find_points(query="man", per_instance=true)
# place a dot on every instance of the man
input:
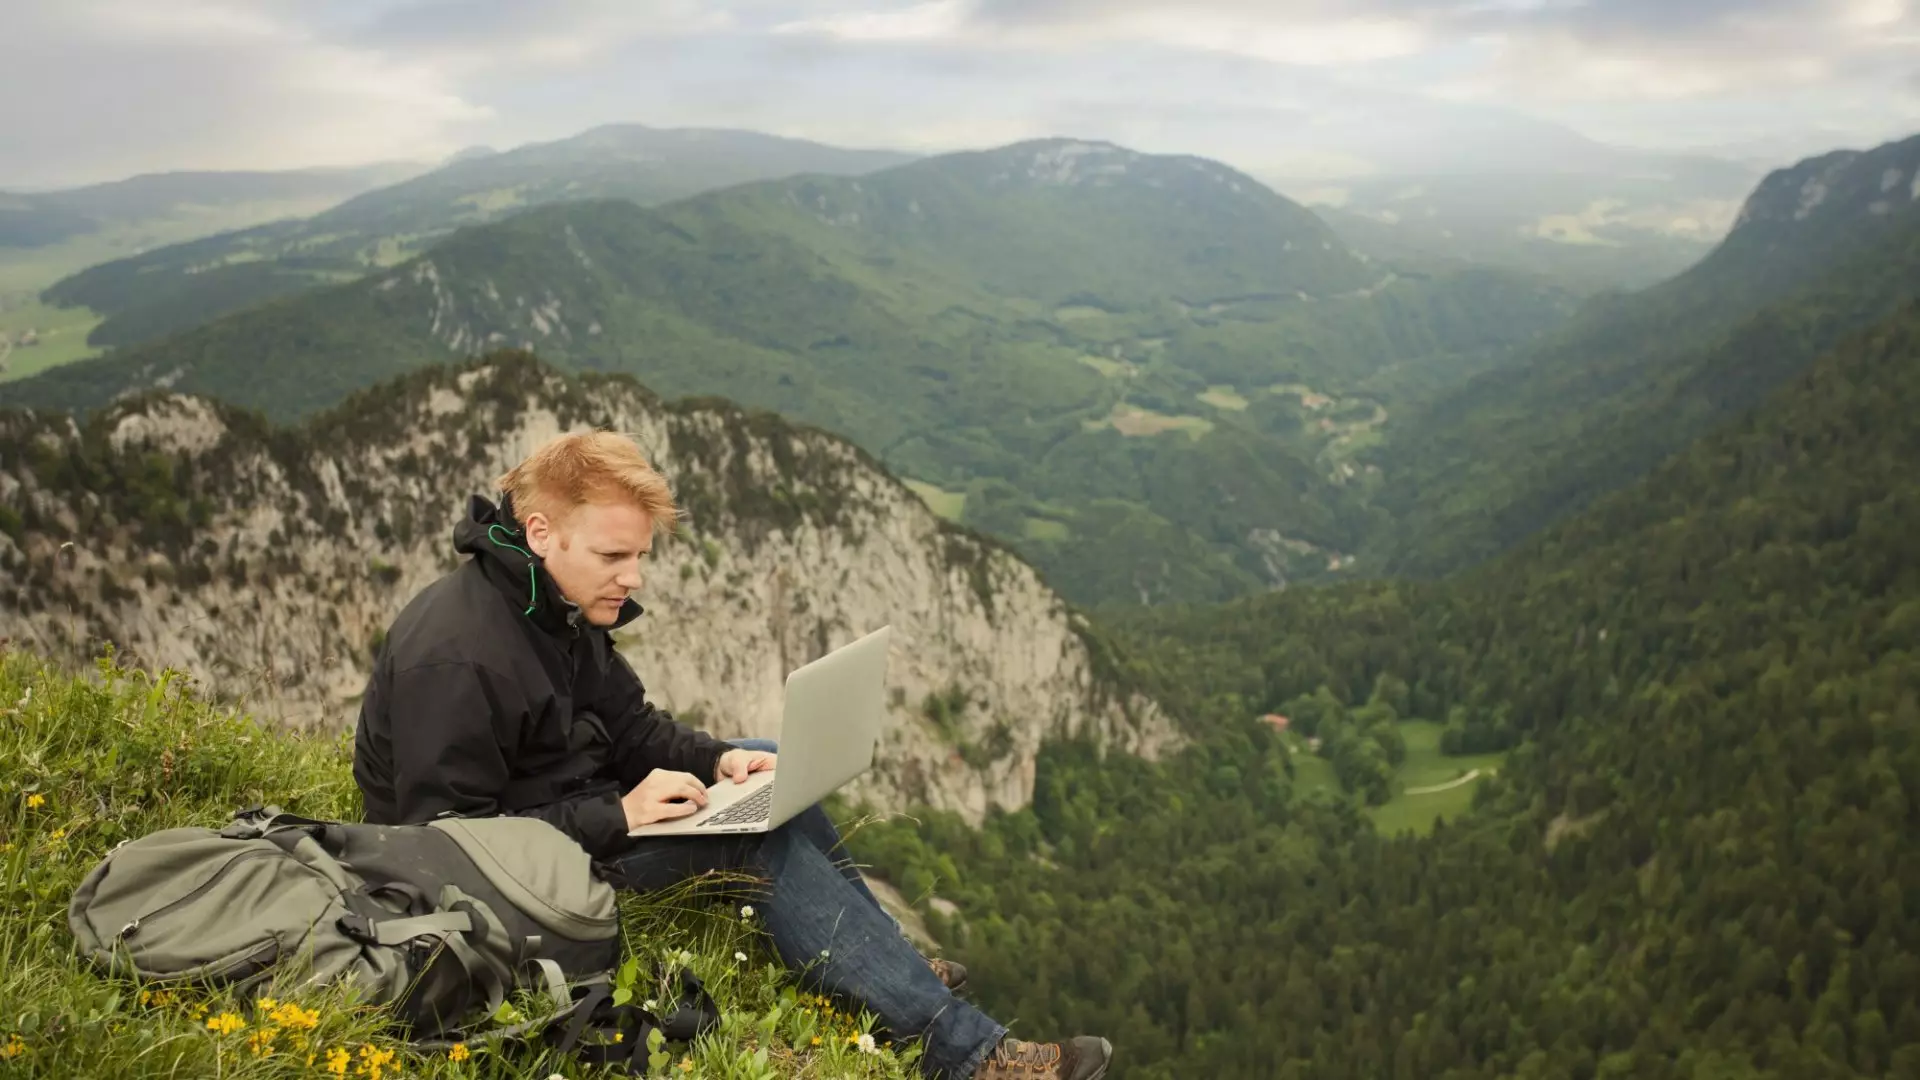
(498, 691)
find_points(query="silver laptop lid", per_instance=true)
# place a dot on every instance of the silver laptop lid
(834, 711)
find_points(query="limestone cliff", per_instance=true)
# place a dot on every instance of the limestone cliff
(268, 561)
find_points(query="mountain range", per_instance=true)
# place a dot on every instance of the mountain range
(1064, 333)
(179, 286)
(1054, 339)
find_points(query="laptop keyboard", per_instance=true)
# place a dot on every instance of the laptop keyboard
(755, 807)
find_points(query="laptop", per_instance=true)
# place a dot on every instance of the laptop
(828, 730)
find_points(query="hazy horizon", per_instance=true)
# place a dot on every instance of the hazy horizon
(100, 90)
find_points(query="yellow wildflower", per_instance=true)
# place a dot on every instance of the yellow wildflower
(14, 1047)
(36, 800)
(294, 1017)
(373, 1062)
(265, 1004)
(56, 836)
(261, 1042)
(619, 1036)
(816, 1040)
(686, 1064)
(459, 1052)
(225, 1024)
(337, 1061)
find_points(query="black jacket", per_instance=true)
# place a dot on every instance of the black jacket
(493, 695)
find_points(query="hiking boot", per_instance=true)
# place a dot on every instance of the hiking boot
(1083, 1057)
(953, 975)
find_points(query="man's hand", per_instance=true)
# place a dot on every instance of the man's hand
(739, 764)
(663, 796)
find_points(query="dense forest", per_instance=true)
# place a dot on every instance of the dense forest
(1700, 861)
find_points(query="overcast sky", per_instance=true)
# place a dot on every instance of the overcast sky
(100, 89)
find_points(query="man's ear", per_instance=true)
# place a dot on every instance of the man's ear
(539, 533)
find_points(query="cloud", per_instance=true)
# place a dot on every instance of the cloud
(478, 35)
(1324, 36)
(113, 87)
(108, 87)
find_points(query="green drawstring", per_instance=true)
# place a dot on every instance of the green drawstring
(533, 588)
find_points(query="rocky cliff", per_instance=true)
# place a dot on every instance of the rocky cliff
(267, 562)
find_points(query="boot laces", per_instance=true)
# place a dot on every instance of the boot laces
(1013, 1053)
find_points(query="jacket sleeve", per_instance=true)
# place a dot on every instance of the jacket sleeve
(646, 738)
(450, 723)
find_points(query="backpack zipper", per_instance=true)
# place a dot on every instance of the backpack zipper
(134, 927)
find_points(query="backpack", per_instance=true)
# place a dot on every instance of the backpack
(444, 921)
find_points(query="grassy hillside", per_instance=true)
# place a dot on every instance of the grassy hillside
(1067, 333)
(90, 761)
(1698, 860)
(1821, 250)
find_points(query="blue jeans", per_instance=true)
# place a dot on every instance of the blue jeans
(825, 922)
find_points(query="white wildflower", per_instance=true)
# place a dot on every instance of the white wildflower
(746, 911)
(650, 1005)
(866, 1044)
(740, 956)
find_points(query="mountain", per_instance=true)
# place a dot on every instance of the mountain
(1819, 250)
(43, 218)
(1698, 860)
(267, 562)
(1064, 333)
(172, 288)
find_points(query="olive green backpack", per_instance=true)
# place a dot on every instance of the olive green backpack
(444, 921)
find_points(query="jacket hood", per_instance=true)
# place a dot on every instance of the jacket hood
(493, 536)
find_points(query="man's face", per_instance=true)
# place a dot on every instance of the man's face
(596, 557)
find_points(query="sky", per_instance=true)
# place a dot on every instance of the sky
(101, 89)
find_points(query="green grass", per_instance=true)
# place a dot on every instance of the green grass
(89, 761)
(1426, 766)
(948, 504)
(1078, 312)
(63, 337)
(1224, 397)
(1045, 529)
(1112, 369)
(1136, 422)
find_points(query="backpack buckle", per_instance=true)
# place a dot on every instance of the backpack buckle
(358, 927)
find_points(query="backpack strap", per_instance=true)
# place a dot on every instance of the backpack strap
(403, 928)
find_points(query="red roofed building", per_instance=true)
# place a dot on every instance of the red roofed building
(1279, 722)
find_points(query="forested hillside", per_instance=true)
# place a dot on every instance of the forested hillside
(1702, 862)
(1821, 250)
